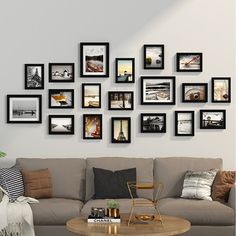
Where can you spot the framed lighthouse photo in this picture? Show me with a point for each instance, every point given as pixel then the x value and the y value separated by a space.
pixel 61 72
pixel 92 126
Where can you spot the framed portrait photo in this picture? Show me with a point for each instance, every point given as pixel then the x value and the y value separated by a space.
pixel 94 59
pixel 24 108
pixel 189 62
pixel 61 72
pixel 184 123
pixel 61 98
pixel 91 95
pixel 153 123
pixel 212 119
pixel 92 126
pixel 157 90
pixel 125 68
pixel 34 76
pixel 120 100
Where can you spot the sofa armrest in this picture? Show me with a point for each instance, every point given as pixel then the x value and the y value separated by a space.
pixel 232 194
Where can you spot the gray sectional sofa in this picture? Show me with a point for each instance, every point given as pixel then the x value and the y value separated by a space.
pixel 73 190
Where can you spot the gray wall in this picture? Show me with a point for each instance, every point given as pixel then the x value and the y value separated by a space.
pixel 50 31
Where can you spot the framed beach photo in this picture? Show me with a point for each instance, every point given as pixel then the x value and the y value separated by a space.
pixel 120 100
pixel 61 72
pixel 34 76
pixel 61 98
pixel 91 95
pixel 125 68
pixel 189 62
pixel 92 126
pixel 157 90
pixel 94 59
pixel 153 123
pixel 24 108
pixel 184 123
pixel 212 119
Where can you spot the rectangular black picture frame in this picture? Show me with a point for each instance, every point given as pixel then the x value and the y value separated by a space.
pixel 181 126
pixel 121 102
pixel 92 104
pixel 156 123
pixel 188 58
pixel 128 75
pixel 97 134
pixel 34 76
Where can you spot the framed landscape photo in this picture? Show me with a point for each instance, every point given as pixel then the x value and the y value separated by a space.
pixel 92 126
pixel 61 98
pixel 94 59
pixel 61 72
pixel 153 56
pixel 189 62
pixel 34 76
pixel 120 130
pixel 120 100
pixel 195 92
pixel 61 124
pixel 153 123
pixel 221 89
pixel 91 95
pixel 24 108
pixel 125 68
pixel 184 123
pixel 157 90
pixel 212 119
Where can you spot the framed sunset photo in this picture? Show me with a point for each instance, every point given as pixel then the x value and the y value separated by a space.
pixel 125 70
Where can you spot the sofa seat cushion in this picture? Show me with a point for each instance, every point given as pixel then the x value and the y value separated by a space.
pixel 55 211
pixel 198 212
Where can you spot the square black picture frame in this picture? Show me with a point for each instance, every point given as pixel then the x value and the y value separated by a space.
pixel 96 133
pixel 182 126
pixel 93 103
pixel 128 75
pixel 155 123
pixel 188 60
pixel 34 76
pixel 118 100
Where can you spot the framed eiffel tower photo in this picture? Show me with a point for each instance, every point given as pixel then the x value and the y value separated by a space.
pixel 34 76
pixel 92 126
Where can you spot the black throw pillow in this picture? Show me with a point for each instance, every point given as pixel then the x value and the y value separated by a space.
pixel 111 185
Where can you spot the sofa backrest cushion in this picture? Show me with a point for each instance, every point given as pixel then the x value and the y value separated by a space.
pixel 170 172
pixel 68 174
pixel 144 170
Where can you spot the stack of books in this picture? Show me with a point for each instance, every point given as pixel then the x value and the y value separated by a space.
pixel 104 219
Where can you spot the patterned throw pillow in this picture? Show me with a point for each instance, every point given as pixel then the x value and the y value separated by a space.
pixel 197 184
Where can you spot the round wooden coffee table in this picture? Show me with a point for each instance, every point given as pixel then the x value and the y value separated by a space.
pixel 171 226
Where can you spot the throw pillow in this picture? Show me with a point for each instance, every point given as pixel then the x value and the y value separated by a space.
pixel 197 184
pixel 111 185
pixel 38 184
pixel 222 184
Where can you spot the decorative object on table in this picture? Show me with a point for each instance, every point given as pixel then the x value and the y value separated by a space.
pixel 91 95
pixel 194 92
pixel 212 119
pixel 189 62
pixel 61 72
pixel 221 89
pixel 158 90
pixel 153 122
pixel 24 108
pixel 113 208
pixel 153 56
pixel 2 154
pixel 94 59
pixel 92 126
pixel 125 70
pixel 34 76
pixel 120 100
pixel 184 123
pixel 98 212
pixel 61 124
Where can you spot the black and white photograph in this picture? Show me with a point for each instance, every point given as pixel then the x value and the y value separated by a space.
pixel 189 62
pixel 157 90
pixel 212 119
pixel 61 98
pixel 91 95
pixel 120 100
pixel 153 123
pixel 61 124
pixel 184 123
pixel 24 109
pixel 221 89
pixel 92 126
pixel 125 70
pixel 34 76
pixel 61 72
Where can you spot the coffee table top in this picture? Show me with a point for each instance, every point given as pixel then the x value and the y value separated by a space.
pixel 171 226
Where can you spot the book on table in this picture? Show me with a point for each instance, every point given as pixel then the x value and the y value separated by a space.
pixel 105 220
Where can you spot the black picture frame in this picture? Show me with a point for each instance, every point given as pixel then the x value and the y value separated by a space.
pixel 65 129
pixel 91 104
pixel 64 72
pixel 153 125
pixel 123 138
pixel 83 72
pixel 208 123
pixel 163 82
pixel 62 101
pixel 217 96
pixel 195 94
pixel 119 97
pixel 34 76
pixel 97 134
pixel 126 77
pixel 181 126
pixel 24 113
pixel 190 57
pixel 148 60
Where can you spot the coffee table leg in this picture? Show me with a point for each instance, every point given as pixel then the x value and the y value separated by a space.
pixel 131 215
pixel 159 214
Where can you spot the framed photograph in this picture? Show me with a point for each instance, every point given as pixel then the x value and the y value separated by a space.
pixel 184 123
pixel 189 62
pixel 158 90
pixel 61 98
pixel 61 124
pixel 94 59
pixel 24 108
pixel 125 68
pixel 121 100
pixel 153 56
pixel 221 90
pixel 92 124
pixel 194 92
pixel 212 119
pixel 34 76
pixel 153 123
pixel 91 95
pixel 120 130
pixel 61 72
